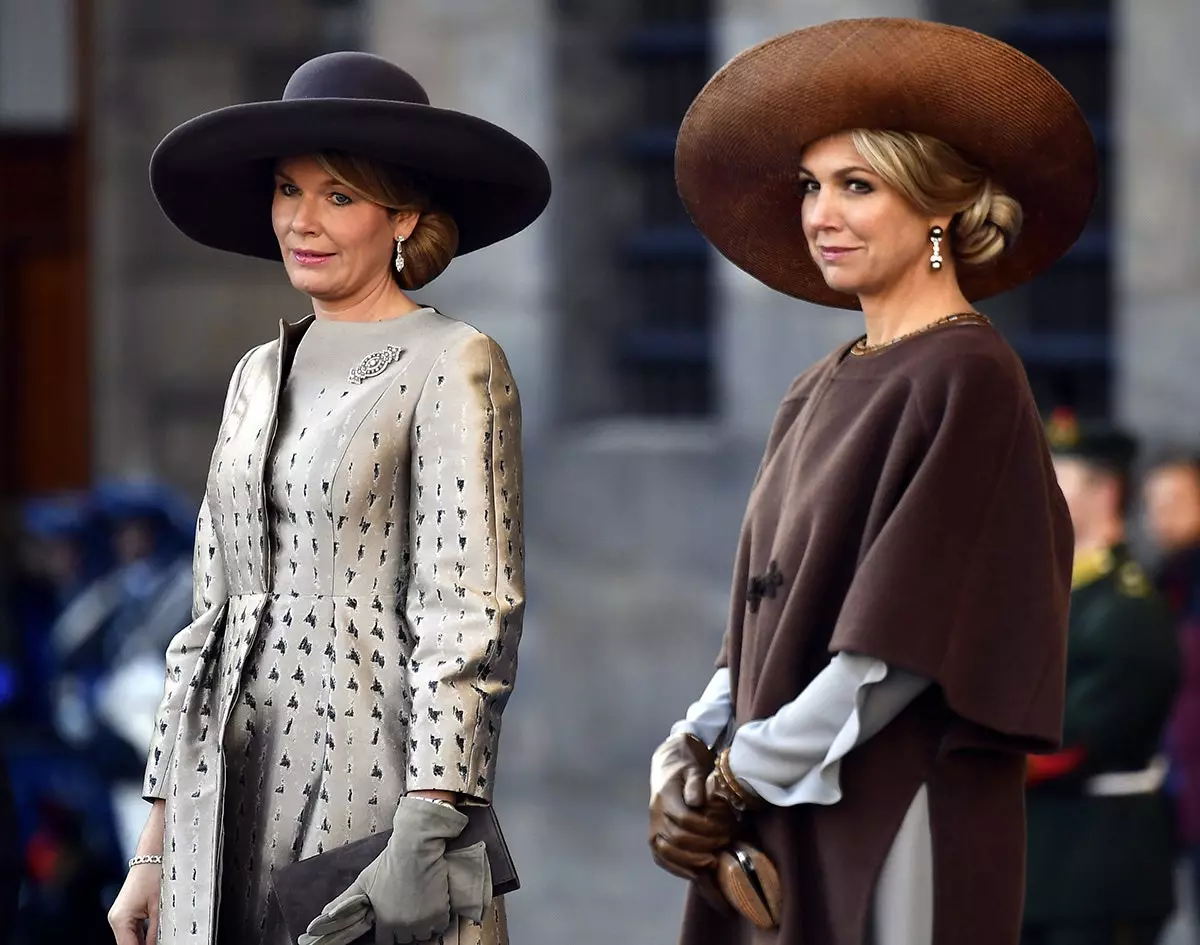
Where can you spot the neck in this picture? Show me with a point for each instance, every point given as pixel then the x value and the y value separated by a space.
pixel 921 297
pixel 1099 536
pixel 375 302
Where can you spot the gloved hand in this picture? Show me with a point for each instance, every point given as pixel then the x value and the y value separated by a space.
pixel 411 891
pixel 686 830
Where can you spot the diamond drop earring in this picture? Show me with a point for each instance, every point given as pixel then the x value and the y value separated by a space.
pixel 400 254
pixel 935 237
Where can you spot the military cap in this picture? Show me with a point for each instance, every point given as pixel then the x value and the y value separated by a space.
pixel 1094 441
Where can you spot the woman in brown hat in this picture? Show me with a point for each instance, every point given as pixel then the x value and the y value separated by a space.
pixel 359 580
pixel 899 612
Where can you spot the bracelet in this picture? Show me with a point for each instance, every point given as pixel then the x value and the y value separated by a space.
pixel 432 800
pixel 737 795
pixel 146 859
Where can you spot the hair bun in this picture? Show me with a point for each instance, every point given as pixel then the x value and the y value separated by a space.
pixel 985 229
pixel 429 249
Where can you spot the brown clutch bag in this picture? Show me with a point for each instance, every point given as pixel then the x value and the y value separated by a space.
pixel 302 889
pixel 745 875
pixel 750 883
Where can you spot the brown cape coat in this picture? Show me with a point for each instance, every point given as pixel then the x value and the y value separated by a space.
pixel 906 508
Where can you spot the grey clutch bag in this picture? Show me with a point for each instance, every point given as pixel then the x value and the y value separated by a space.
pixel 301 889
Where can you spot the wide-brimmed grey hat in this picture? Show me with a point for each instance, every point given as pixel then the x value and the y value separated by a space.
pixel 212 175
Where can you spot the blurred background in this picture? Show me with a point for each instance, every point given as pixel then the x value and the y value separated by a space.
pixel 650 370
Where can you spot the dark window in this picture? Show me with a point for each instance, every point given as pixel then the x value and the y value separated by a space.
pixel 663 341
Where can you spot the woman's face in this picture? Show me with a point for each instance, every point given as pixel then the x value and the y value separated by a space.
pixel 336 244
pixel 863 235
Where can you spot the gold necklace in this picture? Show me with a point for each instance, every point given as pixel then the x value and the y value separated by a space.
pixel 861 347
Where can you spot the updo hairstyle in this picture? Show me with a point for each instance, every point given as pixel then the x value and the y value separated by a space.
pixel 434 240
pixel 936 179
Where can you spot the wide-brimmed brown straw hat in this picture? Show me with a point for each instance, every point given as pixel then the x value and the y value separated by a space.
pixel 739 147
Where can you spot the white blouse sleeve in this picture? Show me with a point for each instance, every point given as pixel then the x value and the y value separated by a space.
pixel 707 717
pixel 794 756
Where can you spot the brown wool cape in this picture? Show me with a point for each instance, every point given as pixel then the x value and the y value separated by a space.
pixel 908 504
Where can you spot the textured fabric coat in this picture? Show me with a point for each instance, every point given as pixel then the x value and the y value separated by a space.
pixel 906 509
pixel 380 665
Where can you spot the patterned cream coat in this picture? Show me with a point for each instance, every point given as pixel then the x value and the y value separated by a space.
pixel 311 696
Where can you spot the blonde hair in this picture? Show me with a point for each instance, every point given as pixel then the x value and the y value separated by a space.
pixel 936 179
pixel 432 243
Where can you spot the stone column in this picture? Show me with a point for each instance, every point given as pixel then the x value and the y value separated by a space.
pixel 488 59
pixel 765 338
pixel 1157 315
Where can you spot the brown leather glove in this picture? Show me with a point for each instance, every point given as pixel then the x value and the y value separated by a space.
pixel 686 831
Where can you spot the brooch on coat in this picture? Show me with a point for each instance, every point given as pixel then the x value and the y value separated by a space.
pixel 374 364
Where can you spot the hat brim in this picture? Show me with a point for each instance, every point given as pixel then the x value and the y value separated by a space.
pixel 212 176
pixel 740 143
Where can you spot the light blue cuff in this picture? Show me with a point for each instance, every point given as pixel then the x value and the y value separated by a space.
pixel 794 757
pixel 707 717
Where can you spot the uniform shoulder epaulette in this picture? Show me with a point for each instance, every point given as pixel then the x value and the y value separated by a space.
pixel 1132 580
pixel 1091 566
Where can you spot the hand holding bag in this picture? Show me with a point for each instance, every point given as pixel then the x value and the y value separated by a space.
pixel 745 875
pixel 301 889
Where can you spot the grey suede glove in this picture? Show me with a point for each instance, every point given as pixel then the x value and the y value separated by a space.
pixel 470 895
pixel 410 891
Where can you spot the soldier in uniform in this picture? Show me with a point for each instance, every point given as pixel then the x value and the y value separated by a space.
pixel 1100 849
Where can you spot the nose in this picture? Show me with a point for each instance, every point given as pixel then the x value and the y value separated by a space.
pixel 304 217
pixel 821 210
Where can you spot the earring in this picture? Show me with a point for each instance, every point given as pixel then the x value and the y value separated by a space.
pixel 400 254
pixel 935 237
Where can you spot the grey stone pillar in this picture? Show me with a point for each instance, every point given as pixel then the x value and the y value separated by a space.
pixel 37 64
pixel 765 338
pixel 1157 329
pixel 488 59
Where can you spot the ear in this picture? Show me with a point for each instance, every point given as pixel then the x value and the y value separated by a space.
pixel 403 224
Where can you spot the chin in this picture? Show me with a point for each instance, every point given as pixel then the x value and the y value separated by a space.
pixel 841 282
pixel 306 283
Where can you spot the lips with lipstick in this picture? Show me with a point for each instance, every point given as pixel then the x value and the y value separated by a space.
pixel 834 253
pixel 310 257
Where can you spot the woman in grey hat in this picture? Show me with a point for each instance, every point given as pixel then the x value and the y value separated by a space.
pixel 358 571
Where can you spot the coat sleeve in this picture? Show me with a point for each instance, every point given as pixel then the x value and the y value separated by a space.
pixel 466 594
pixel 209 596
pixel 795 756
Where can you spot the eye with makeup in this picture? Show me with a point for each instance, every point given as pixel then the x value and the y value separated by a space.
pixel 286 188
pixel 853 185
pixel 340 199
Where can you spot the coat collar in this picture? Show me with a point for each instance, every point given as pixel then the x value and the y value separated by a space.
pixel 290 334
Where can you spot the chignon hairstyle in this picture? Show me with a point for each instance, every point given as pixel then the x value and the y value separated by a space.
pixel 434 240
pixel 936 179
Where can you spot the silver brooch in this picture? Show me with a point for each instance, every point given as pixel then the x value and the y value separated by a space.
pixel 374 364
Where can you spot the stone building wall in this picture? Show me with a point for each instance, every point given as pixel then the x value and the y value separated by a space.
pixel 171 319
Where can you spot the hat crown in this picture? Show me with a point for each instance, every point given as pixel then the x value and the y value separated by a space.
pixel 354 75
